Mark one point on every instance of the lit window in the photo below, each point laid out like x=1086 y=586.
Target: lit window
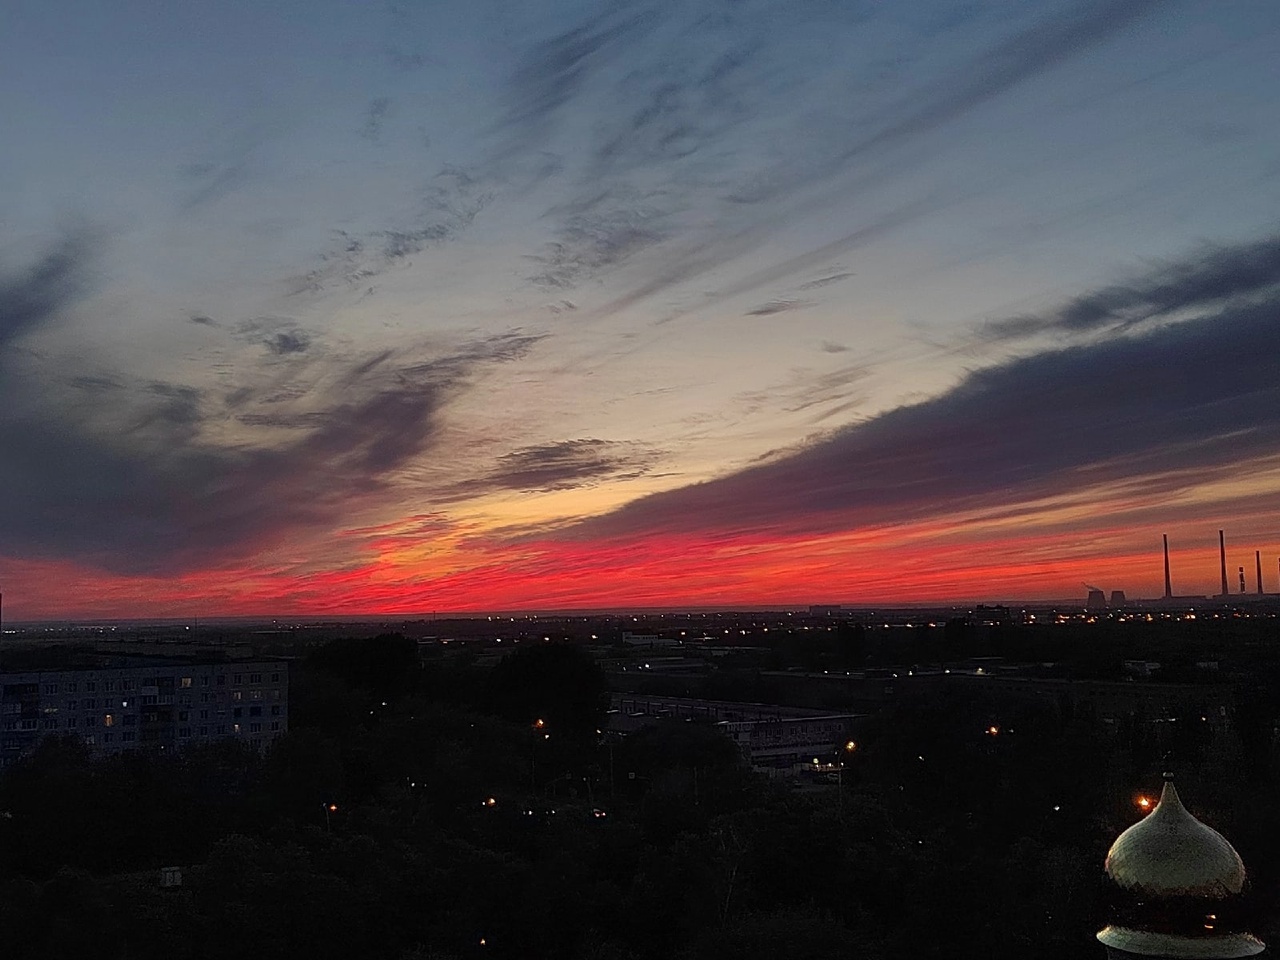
x=235 y=728
x=109 y=720
x=184 y=682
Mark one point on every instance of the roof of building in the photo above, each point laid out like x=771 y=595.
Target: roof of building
x=1170 y=853
x=1149 y=943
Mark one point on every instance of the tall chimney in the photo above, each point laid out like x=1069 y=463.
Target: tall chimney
x=1242 y=579
x=1222 y=553
x=1257 y=559
x=1168 y=586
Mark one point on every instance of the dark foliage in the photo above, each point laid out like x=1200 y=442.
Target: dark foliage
x=443 y=826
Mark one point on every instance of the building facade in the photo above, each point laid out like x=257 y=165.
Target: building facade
x=160 y=705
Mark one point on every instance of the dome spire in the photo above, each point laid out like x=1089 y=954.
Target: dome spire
x=1172 y=876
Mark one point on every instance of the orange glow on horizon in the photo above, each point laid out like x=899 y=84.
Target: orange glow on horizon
x=927 y=562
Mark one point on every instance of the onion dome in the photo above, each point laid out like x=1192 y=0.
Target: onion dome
x=1178 y=887
x=1169 y=853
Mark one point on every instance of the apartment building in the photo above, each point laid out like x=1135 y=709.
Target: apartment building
x=147 y=703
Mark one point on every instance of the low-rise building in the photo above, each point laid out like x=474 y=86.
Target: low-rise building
x=781 y=747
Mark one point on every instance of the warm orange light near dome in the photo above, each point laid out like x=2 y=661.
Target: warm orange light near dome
x=1144 y=803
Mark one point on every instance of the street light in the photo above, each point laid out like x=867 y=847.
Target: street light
x=329 y=808
x=849 y=747
x=538 y=726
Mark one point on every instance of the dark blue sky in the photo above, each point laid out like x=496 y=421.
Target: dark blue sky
x=276 y=275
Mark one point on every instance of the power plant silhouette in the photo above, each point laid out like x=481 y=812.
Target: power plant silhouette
x=1097 y=598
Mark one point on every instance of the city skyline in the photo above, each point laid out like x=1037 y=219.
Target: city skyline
x=316 y=308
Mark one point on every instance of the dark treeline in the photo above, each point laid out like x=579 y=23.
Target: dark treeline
x=421 y=810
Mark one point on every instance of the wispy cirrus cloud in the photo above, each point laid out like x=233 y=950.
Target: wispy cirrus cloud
x=1168 y=409
x=696 y=111
x=1023 y=57
x=35 y=296
x=444 y=208
x=568 y=464
x=778 y=306
x=1215 y=276
x=161 y=492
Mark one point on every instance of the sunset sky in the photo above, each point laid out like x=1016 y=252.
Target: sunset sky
x=347 y=307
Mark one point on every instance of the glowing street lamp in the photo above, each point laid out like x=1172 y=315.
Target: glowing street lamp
x=538 y=726
x=1144 y=803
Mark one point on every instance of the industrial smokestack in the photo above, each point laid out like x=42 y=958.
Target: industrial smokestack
x=1222 y=554
x=1257 y=558
x=1168 y=585
x=1242 y=579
